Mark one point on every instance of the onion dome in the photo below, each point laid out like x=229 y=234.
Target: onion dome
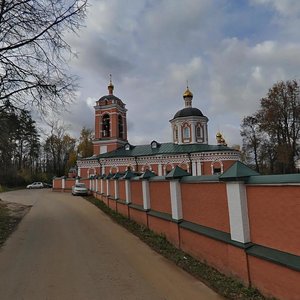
x=110 y=95
x=187 y=112
x=220 y=139
x=187 y=93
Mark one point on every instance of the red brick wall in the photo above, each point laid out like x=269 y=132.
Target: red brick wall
x=57 y=183
x=206 y=204
x=205 y=249
x=122 y=191
x=274 y=213
x=112 y=188
x=136 y=192
x=138 y=216
x=69 y=183
x=122 y=209
x=160 y=196
x=274 y=280
x=167 y=228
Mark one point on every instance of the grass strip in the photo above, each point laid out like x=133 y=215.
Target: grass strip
x=7 y=223
x=226 y=286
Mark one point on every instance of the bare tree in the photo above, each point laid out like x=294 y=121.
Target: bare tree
x=271 y=135
x=34 y=52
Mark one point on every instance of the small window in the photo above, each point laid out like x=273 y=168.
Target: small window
x=217 y=171
x=127 y=147
x=153 y=145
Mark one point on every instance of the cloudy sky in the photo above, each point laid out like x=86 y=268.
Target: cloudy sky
x=231 y=52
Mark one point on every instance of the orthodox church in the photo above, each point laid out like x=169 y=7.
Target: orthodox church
x=189 y=149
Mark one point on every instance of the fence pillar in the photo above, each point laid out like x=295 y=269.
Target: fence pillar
x=107 y=187
x=176 y=203
x=128 y=191
x=101 y=185
x=146 y=194
x=63 y=182
x=116 y=183
x=238 y=211
x=96 y=184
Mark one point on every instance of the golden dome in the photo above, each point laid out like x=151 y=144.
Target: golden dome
x=218 y=135
x=187 y=93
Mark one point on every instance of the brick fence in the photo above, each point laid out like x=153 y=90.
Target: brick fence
x=246 y=227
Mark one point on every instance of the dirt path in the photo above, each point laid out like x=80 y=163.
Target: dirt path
x=65 y=248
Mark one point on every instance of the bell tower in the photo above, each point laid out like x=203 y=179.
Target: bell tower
x=110 y=122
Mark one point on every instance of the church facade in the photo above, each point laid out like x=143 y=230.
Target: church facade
x=189 y=148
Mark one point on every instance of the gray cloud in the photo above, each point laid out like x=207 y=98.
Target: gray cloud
x=152 y=47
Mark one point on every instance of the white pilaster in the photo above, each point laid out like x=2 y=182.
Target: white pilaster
x=199 y=168
x=96 y=185
x=127 y=191
x=176 y=204
x=238 y=211
x=116 y=189
x=63 y=182
x=205 y=134
x=193 y=133
x=78 y=172
x=146 y=194
x=90 y=184
x=160 y=170
x=194 y=168
x=179 y=133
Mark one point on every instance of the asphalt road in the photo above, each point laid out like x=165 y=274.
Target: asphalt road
x=66 y=248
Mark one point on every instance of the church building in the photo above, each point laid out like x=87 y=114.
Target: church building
x=189 y=148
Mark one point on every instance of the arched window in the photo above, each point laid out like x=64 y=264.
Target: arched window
x=216 y=167
x=106 y=126
x=199 y=132
x=168 y=168
x=120 y=125
x=186 y=132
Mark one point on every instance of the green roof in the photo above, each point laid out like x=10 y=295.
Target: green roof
x=177 y=172
x=237 y=171
x=147 y=174
x=164 y=148
x=128 y=175
x=275 y=179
